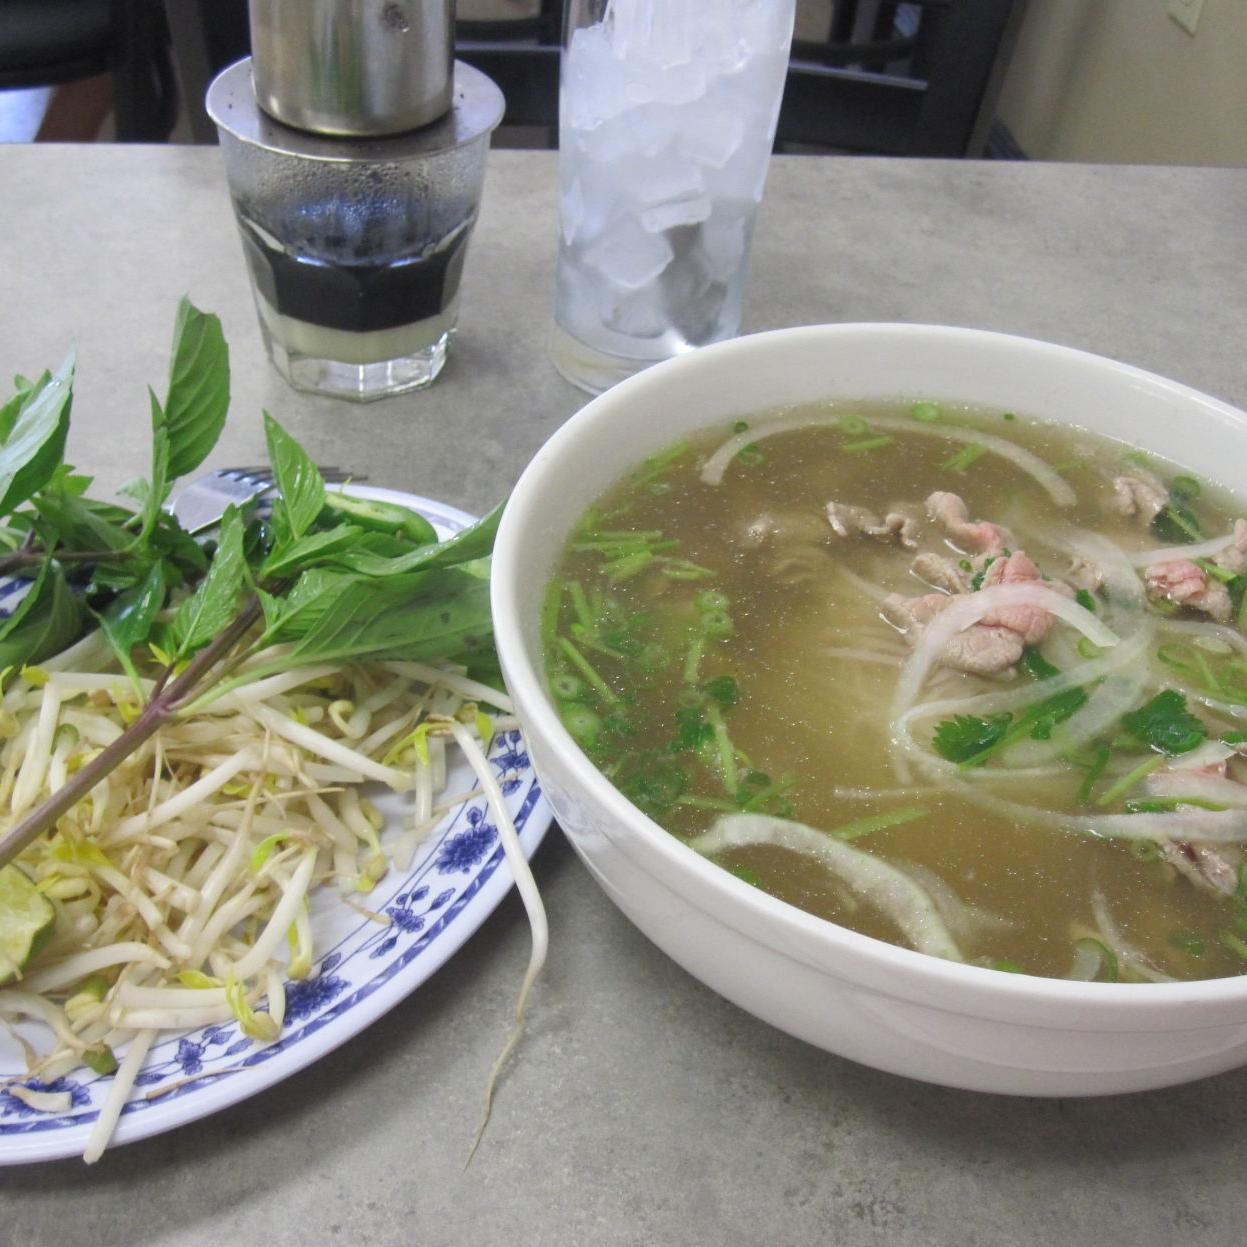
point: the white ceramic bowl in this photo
(887, 1007)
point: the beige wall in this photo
(1118, 81)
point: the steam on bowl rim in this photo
(636, 403)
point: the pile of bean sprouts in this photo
(181, 882)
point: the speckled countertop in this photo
(641, 1108)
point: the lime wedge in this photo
(26, 921)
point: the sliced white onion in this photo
(1167, 554)
(966, 610)
(1103, 708)
(890, 890)
(1057, 488)
(1125, 953)
(1199, 630)
(1119, 578)
(1201, 787)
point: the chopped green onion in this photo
(964, 458)
(1094, 771)
(927, 412)
(589, 672)
(1085, 600)
(711, 600)
(1191, 944)
(567, 687)
(1166, 805)
(1107, 958)
(868, 443)
(1005, 966)
(1216, 571)
(878, 822)
(724, 689)
(584, 725)
(1231, 941)
(628, 566)
(1129, 780)
(853, 425)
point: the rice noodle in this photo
(1057, 488)
(890, 890)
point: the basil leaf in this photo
(198, 396)
(36, 438)
(22, 393)
(213, 605)
(78, 525)
(152, 494)
(447, 613)
(311, 548)
(301, 488)
(128, 620)
(45, 621)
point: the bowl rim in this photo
(535, 706)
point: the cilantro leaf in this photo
(966, 736)
(1036, 665)
(1165, 724)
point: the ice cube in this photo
(710, 135)
(725, 239)
(659, 179)
(572, 210)
(637, 313)
(593, 80)
(674, 213)
(629, 256)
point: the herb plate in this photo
(456, 880)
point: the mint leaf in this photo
(198, 396)
(301, 488)
(35, 443)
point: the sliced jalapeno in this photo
(379, 517)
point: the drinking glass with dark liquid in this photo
(355, 240)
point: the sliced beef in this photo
(851, 521)
(1140, 496)
(952, 515)
(1187, 584)
(980, 649)
(1214, 868)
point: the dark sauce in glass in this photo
(357, 295)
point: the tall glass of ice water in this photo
(667, 114)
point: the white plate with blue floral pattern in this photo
(456, 880)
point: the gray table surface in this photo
(640, 1108)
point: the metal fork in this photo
(202, 503)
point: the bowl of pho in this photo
(893, 680)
